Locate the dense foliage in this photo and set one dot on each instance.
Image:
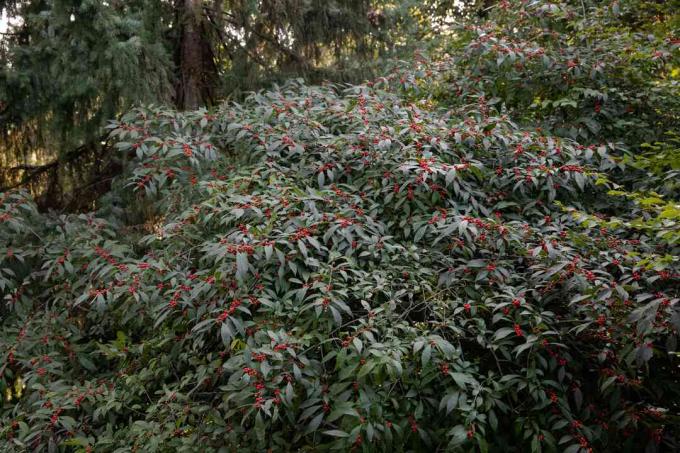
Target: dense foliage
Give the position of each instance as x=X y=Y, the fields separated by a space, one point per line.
x=478 y=252
x=68 y=66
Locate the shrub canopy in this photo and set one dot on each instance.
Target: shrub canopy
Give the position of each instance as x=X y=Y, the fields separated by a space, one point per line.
x=408 y=264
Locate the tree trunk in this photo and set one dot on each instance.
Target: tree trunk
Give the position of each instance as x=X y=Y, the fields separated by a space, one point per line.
x=197 y=70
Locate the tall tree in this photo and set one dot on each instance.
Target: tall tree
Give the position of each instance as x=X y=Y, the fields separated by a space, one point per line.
x=69 y=66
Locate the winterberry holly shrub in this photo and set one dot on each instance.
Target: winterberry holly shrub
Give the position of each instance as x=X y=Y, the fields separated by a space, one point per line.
x=362 y=268
x=590 y=71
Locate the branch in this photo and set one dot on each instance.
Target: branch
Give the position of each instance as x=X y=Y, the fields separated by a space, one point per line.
x=275 y=42
x=34 y=170
x=270 y=39
x=223 y=38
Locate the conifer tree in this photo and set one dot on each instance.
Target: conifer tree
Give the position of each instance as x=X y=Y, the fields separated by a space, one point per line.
x=68 y=67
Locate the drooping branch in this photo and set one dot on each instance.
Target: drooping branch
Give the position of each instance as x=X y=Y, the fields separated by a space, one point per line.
x=231 y=19
x=31 y=172
x=224 y=37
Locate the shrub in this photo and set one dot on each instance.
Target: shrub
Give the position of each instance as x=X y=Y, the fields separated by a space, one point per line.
x=348 y=268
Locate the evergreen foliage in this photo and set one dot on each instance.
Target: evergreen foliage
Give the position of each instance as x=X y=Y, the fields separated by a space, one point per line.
x=68 y=66
x=476 y=251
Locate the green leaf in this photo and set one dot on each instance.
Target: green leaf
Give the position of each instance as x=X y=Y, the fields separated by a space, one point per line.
x=336 y=433
x=241 y=265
